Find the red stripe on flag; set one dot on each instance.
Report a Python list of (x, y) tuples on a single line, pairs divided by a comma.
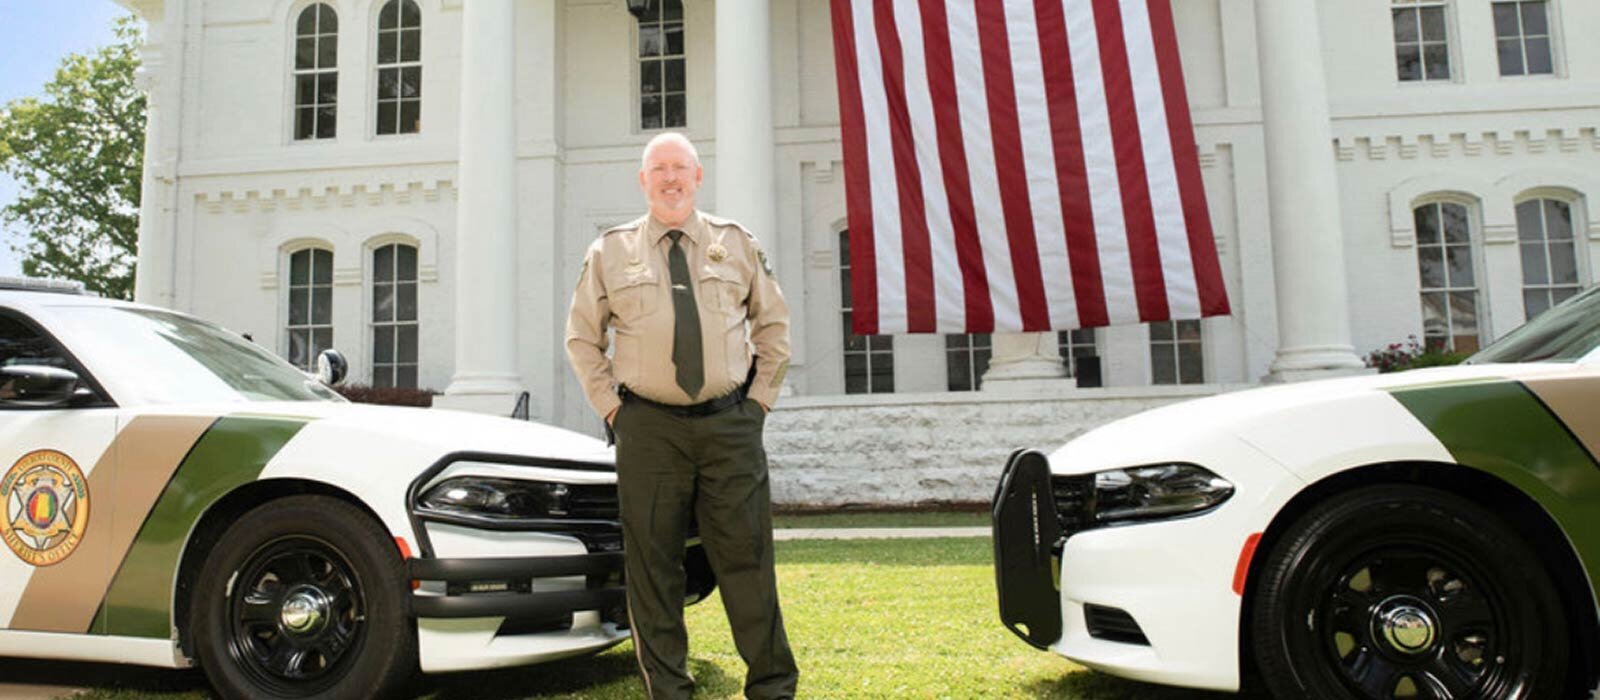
[(858, 186), (1143, 247), (1071, 174), (1202, 247), (920, 316), (996, 48), (953, 159)]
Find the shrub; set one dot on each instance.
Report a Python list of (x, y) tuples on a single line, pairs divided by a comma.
[(1397, 357), (387, 395)]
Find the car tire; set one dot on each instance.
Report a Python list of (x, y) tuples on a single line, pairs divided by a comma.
[(1389, 586), (304, 597)]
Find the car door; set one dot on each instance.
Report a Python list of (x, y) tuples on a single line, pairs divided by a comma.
[(57, 479)]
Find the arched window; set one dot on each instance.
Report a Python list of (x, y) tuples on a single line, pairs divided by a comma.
[(1451, 318), (394, 316), (868, 359), (310, 328), (316, 72), (399, 68), (661, 66), (1550, 258)]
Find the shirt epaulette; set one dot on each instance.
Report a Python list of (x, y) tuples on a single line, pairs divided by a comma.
[(714, 220), (630, 226)]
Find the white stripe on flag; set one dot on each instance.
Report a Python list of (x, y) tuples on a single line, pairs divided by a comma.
[(1100, 162), (1039, 162), (949, 297), (1172, 235), (973, 100), (880, 167)]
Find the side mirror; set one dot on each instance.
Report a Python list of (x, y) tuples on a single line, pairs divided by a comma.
[(332, 367), (40, 386)]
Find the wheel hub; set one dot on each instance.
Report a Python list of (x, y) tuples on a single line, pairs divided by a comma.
[(1406, 624), (304, 610)]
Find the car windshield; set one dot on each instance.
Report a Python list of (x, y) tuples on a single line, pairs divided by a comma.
[(1562, 334), (178, 359)]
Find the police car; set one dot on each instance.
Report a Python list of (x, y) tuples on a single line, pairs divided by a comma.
[(1427, 534), (174, 494)]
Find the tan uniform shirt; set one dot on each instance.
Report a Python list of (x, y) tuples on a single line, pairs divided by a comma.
[(626, 286)]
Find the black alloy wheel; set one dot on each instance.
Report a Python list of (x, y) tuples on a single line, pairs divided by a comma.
[(1406, 592), (304, 597)]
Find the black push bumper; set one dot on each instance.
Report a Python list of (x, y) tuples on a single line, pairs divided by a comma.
[(498, 587), (1027, 546)]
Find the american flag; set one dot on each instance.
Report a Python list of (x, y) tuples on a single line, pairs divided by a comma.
[(1020, 165)]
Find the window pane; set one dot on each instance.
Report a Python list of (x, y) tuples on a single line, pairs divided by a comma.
[(388, 117), (1535, 19), (328, 20), (1161, 332), (1557, 219), (1460, 259), (1455, 223), (958, 375), (1430, 266), (855, 373), (1433, 314), (383, 377), (383, 264), (1433, 24), (299, 268), (1510, 55), (672, 10), (674, 39), (1405, 26), (406, 263), (383, 344), (327, 52), (1563, 264), (305, 53), (1408, 62), (882, 373), (305, 120), (321, 306), (1188, 330), (880, 343), (388, 50), (298, 306), (650, 77), (1535, 302), (677, 114), (651, 41), (388, 83), (410, 14), (1560, 294), (406, 376), (411, 45), (406, 344), (322, 266), (327, 88), (327, 122), (650, 108), (1436, 58), (1161, 369), (674, 77), (955, 341), (407, 306), (307, 23), (297, 348), (321, 339), (1191, 365), (1505, 20), (383, 303), (390, 17), (305, 92), (1533, 265), (1464, 314), (1539, 57), (1427, 221), (411, 82), (410, 117), (1529, 228)]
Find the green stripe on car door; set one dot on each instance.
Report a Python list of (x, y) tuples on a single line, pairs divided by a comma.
[(233, 452), (1500, 427)]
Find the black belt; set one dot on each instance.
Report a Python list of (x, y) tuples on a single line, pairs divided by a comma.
[(698, 410)]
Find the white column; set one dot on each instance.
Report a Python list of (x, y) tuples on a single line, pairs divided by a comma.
[(744, 175), (1303, 196), (160, 76), (486, 377)]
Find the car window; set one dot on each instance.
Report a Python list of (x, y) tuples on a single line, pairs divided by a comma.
[(177, 359), (1565, 333)]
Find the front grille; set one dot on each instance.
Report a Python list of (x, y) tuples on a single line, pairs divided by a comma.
[(1112, 625), (1074, 496), (592, 501)]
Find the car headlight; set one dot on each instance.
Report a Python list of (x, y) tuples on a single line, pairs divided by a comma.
[(1138, 493), (499, 498)]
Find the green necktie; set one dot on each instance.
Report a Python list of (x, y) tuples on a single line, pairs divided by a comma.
[(686, 351)]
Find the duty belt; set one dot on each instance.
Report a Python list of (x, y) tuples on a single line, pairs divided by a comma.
[(698, 410)]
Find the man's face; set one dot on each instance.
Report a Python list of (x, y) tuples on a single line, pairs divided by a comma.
[(669, 179)]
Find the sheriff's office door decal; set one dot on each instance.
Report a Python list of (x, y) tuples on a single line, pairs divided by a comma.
[(47, 507)]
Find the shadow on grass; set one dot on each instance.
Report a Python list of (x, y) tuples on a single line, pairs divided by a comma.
[(105, 677), (1093, 685), (593, 674)]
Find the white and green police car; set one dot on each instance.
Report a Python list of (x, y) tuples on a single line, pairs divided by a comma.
[(174, 494)]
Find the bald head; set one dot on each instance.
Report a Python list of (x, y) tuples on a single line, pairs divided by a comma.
[(670, 175)]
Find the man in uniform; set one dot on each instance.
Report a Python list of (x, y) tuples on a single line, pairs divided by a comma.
[(686, 295)]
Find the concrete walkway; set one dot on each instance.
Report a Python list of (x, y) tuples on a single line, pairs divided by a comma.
[(13, 691), (877, 533)]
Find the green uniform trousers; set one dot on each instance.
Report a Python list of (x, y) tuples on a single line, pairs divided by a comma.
[(670, 467)]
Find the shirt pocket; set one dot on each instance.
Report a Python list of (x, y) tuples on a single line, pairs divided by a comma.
[(725, 288), (634, 296)]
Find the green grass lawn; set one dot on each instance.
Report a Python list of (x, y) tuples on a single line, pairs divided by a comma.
[(867, 618), (882, 519)]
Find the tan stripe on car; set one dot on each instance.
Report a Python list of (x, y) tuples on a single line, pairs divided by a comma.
[(1575, 400), (123, 486)]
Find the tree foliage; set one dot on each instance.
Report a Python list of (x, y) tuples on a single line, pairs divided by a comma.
[(77, 154)]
